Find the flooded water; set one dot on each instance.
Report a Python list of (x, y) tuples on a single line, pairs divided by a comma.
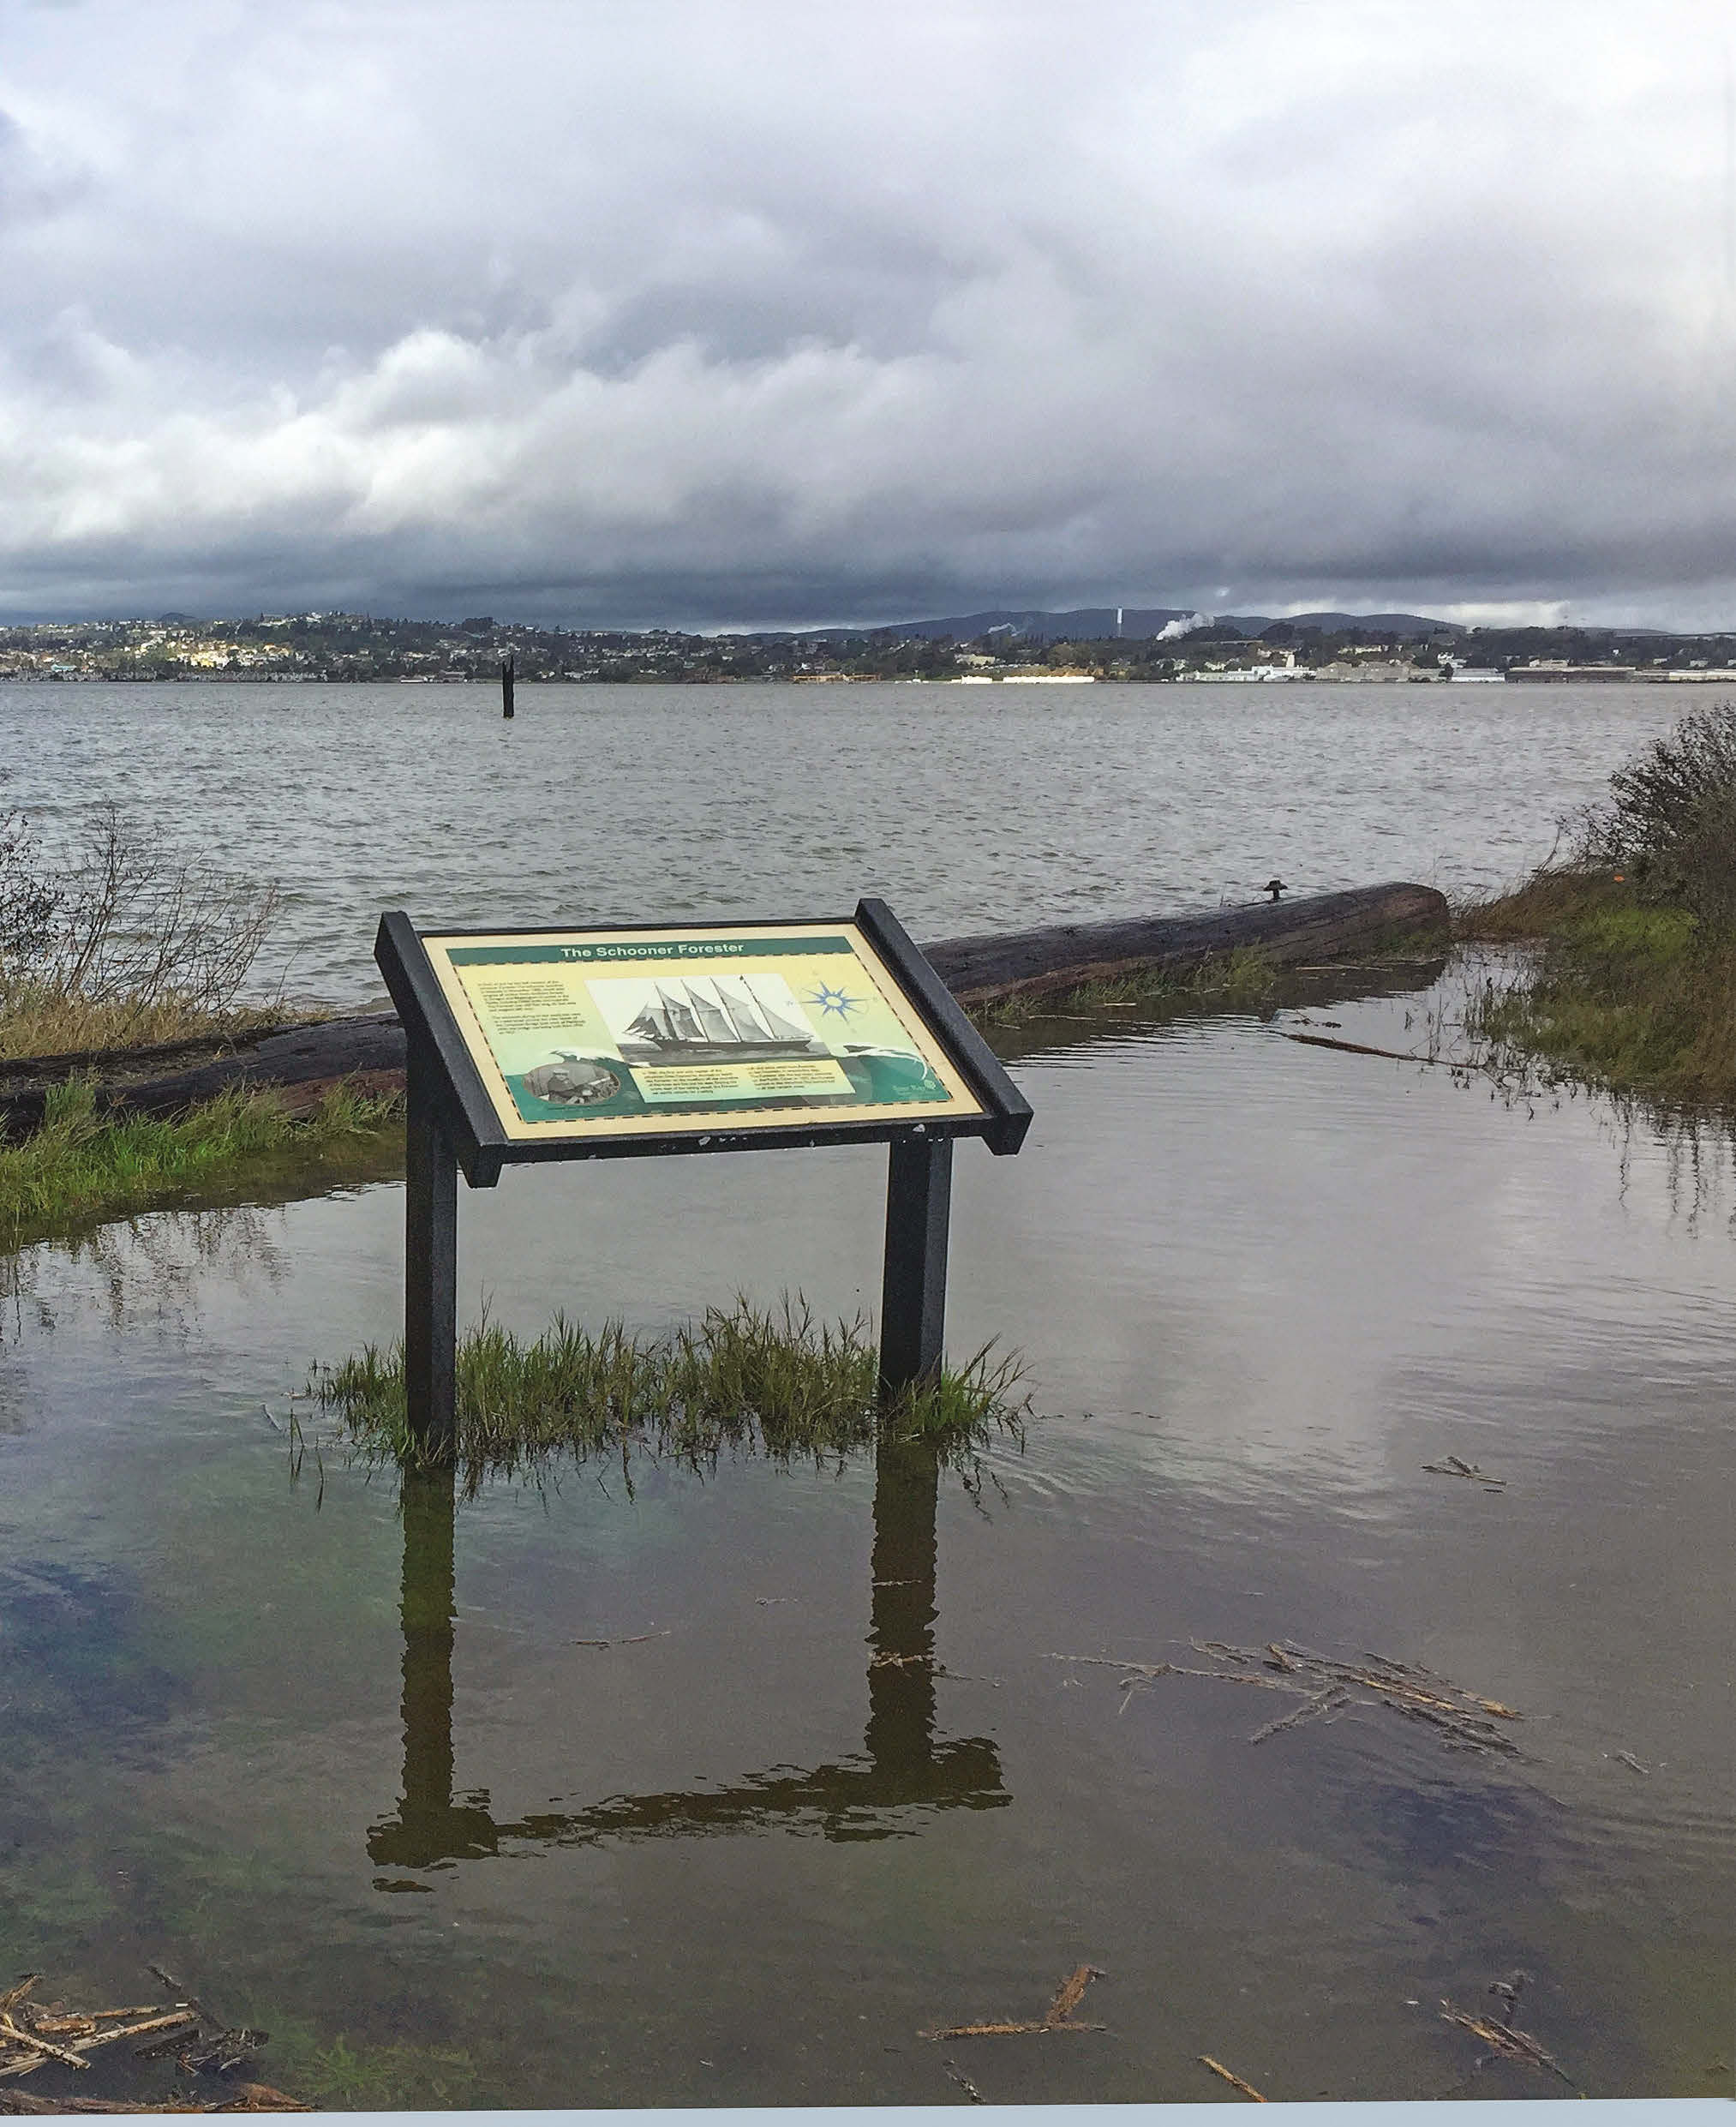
[(968, 808), (364, 1770)]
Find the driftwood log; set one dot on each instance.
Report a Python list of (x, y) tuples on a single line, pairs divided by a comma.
[(305, 1062), (1372, 920)]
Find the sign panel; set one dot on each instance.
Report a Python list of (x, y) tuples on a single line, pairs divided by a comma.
[(588, 1034)]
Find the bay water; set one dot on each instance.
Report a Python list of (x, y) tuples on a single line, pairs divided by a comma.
[(968, 808), (659, 1785)]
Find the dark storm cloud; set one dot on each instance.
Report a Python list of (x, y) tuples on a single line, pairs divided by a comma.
[(758, 312)]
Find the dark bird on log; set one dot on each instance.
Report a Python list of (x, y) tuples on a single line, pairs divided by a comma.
[(1276, 887)]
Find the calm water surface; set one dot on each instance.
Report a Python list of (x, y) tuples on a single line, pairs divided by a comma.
[(346, 1762), (356, 1774), (967, 807)]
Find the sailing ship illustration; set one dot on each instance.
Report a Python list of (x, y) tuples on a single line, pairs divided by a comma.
[(714, 1019)]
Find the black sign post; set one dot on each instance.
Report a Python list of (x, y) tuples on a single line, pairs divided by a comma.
[(464, 1113), (912, 1289), (430, 1256)]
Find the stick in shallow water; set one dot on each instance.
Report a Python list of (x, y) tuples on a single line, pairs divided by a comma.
[(1218, 2068), (1058, 2017)]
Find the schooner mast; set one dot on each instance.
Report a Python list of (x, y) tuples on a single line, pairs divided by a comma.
[(716, 1013)]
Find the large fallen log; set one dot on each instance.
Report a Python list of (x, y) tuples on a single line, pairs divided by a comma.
[(305, 1062), (1366, 921)]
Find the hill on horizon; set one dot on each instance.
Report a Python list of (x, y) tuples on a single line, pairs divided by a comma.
[(1095, 624)]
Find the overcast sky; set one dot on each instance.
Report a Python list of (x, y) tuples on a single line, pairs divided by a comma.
[(712, 311)]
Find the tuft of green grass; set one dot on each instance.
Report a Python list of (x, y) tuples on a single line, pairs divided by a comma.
[(83, 1164), (1244, 976), (740, 1380), (1624, 991), (1556, 901)]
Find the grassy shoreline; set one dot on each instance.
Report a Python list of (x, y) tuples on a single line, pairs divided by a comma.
[(1623, 991), (1627, 993), (1243, 976), (38, 1026), (83, 1165)]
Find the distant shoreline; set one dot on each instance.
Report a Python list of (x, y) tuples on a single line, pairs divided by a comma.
[(981, 649), (1298, 676)]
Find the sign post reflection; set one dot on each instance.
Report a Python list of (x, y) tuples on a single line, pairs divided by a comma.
[(902, 1765)]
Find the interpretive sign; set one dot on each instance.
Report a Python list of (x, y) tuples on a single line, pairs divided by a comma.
[(585, 1035), (592, 1043)]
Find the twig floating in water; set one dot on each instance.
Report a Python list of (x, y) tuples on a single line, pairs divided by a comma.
[(988, 2030), (1071, 1992), (1218, 2068), (1058, 2017), (242, 2097), (34, 2036), (1335, 1695), (1465, 1717), (14, 2035), (1357, 1048), (226, 2051), (1456, 1466), (1504, 2040), (964, 2083), (85, 2035), (185, 1997)]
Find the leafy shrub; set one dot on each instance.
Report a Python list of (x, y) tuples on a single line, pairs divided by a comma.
[(1671, 817)]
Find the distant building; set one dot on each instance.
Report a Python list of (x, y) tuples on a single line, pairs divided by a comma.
[(1554, 672)]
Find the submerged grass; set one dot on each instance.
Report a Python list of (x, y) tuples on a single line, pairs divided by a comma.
[(742, 1379), (1244, 976), (82, 1164), (1625, 992)]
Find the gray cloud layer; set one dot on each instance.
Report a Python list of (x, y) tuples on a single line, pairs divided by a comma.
[(741, 310)]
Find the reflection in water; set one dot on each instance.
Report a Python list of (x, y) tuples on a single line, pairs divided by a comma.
[(900, 1766), (1064, 1024), (1283, 1279), (150, 1269)]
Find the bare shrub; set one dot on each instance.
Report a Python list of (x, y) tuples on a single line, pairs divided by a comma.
[(126, 940), (137, 924), (29, 900)]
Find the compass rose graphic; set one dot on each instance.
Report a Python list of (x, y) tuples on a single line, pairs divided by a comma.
[(829, 1001)]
